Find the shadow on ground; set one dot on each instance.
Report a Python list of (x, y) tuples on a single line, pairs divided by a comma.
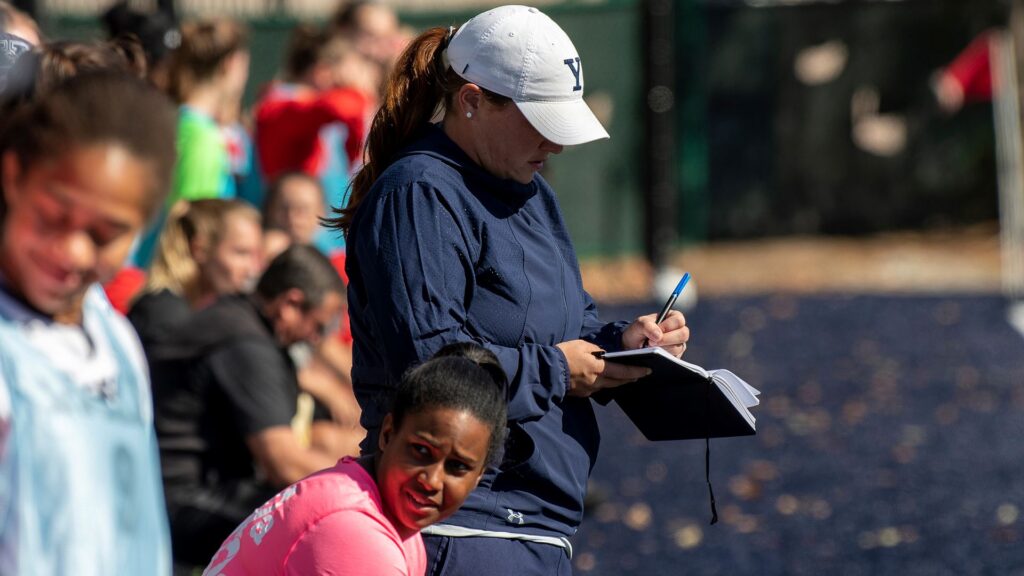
[(889, 442)]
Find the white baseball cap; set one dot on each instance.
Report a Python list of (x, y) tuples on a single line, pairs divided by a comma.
[(520, 53)]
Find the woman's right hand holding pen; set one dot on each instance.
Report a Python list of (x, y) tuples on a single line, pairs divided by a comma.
[(671, 333), (666, 329), (588, 372)]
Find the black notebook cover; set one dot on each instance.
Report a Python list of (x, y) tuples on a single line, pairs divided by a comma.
[(675, 402)]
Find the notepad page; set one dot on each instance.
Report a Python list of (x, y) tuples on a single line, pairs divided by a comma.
[(745, 393), (732, 393)]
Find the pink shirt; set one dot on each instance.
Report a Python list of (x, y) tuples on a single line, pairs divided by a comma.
[(330, 523)]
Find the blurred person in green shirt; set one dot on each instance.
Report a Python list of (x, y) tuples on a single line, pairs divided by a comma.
[(207, 75)]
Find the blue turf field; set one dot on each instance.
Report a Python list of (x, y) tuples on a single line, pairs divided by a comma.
[(890, 441)]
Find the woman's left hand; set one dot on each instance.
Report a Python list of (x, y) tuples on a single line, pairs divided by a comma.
[(671, 334)]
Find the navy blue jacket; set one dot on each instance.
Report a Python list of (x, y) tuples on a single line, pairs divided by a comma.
[(441, 251)]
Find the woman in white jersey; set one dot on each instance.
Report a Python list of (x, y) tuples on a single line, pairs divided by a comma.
[(82, 169)]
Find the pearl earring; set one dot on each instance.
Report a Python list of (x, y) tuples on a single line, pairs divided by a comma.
[(469, 114)]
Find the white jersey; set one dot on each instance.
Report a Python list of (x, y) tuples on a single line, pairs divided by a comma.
[(80, 485)]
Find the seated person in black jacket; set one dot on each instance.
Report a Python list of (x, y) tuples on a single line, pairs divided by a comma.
[(225, 396)]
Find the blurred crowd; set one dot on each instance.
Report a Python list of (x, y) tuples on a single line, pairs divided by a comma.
[(235, 281)]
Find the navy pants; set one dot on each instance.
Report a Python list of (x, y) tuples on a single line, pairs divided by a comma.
[(448, 556)]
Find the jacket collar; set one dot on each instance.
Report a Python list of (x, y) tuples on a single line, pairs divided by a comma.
[(435, 143)]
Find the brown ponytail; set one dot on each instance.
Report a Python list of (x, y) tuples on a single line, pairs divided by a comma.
[(418, 87)]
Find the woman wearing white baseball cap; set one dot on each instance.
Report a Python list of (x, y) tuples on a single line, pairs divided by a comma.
[(454, 236)]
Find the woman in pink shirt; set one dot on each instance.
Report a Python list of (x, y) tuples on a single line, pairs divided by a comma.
[(363, 517)]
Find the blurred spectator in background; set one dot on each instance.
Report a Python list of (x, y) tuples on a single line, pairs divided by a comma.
[(209, 248), (294, 207), (157, 31), (18, 23), (373, 28), (292, 217), (79, 481), (228, 417), (207, 75), (314, 121), (236, 130)]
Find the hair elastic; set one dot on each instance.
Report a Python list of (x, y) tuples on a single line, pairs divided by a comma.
[(444, 47)]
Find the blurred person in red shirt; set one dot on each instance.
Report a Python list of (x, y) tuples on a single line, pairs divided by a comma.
[(314, 121)]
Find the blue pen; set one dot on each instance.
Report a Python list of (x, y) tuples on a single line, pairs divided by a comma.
[(671, 300)]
